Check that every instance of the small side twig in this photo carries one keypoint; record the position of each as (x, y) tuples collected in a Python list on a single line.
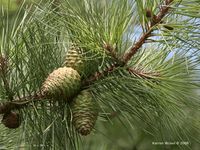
[(111, 50), (156, 19), (17, 104), (142, 74), (99, 75)]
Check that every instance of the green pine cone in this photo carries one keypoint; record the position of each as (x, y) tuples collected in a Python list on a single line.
[(80, 61), (62, 82), (84, 112), (74, 59)]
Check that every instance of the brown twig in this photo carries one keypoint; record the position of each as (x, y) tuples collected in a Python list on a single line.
[(156, 19), (99, 75), (17, 104), (111, 50), (142, 74)]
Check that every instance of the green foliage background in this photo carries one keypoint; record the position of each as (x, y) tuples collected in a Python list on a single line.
[(162, 107)]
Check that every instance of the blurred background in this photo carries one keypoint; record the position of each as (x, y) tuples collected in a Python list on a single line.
[(117, 140)]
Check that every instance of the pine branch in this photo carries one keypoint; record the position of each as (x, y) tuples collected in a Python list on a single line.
[(99, 75), (156, 19), (18, 104), (127, 56), (24, 101)]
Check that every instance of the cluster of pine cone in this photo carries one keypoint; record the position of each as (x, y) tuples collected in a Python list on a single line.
[(65, 83)]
